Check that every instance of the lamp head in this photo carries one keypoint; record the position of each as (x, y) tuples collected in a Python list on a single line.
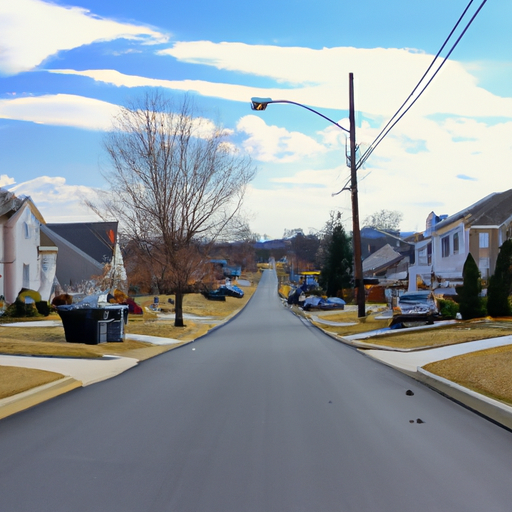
[(260, 103)]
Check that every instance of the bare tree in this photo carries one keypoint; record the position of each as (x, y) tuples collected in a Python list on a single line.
[(176, 184), (384, 219)]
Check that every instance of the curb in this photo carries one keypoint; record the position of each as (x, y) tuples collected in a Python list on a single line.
[(31, 397), (491, 409), (496, 411), (21, 401)]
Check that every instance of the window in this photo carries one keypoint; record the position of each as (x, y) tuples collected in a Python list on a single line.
[(425, 255), (483, 240), (456, 243), (483, 266), (26, 229), (445, 246), (26, 276), (483, 263)]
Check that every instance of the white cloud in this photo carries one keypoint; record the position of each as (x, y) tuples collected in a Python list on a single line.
[(272, 144), (227, 91), (293, 205), (383, 76), (419, 167), (6, 180), (57, 201), (61, 110), (33, 30)]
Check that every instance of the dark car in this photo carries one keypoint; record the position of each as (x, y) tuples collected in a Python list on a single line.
[(232, 291)]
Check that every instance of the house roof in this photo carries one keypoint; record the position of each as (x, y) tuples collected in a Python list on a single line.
[(381, 259), (7, 201), (371, 232), (96, 239), (10, 204), (492, 210)]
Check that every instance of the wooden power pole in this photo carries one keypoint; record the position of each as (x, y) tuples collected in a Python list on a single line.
[(356, 233)]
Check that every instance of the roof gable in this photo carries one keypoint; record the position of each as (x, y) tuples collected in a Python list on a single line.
[(96, 239), (383, 258)]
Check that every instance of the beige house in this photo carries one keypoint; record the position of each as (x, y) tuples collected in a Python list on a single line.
[(443, 247)]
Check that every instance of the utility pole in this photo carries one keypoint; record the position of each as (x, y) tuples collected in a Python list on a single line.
[(356, 233)]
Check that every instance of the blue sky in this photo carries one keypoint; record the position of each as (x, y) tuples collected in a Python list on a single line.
[(66, 67)]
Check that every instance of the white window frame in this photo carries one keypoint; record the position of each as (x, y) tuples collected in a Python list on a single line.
[(456, 242), (483, 240), (445, 246)]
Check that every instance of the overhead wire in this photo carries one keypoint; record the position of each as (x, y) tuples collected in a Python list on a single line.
[(394, 120)]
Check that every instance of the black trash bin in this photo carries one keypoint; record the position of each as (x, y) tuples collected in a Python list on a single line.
[(93, 325)]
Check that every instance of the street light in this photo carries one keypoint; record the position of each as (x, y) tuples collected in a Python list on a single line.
[(261, 104)]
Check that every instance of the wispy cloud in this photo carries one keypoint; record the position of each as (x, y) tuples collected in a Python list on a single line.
[(56, 200), (33, 30), (313, 76), (60, 110)]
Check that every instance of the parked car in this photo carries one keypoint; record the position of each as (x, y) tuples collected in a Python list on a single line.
[(420, 302), (415, 308), (232, 291)]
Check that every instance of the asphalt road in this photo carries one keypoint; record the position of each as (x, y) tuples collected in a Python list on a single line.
[(265, 414)]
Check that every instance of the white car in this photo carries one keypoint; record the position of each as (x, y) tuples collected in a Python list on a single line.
[(417, 303)]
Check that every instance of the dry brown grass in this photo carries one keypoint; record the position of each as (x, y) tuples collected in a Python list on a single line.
[(487, 371), (447, 335), (15, 380), (436, 336)]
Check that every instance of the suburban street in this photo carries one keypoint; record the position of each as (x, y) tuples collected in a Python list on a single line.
[(265, 414)]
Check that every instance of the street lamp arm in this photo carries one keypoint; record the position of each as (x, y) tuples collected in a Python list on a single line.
[(261, 104)]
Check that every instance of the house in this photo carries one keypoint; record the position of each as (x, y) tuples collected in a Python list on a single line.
[(386, 264), (84, 250), (441, 250), (373, 239), (28, 257)]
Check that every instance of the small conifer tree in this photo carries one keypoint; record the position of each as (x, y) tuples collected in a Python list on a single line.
[(500, 284), (470, 302)]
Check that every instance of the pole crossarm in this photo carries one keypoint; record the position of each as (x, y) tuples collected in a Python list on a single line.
[(261, 104)]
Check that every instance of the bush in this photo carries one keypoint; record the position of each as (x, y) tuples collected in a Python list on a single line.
[(21, 310), (448, 308), (470, 302), (43, 308), (500, 284)]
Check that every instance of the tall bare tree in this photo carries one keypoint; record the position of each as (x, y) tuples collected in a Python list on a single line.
[(176, 184), (384, 219)]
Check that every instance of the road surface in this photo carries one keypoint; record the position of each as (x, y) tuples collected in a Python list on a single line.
[(265, 414)]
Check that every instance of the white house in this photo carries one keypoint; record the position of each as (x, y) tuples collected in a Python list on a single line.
[(441, 250), (27, 259)]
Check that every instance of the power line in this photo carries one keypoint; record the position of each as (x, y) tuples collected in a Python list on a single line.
[(394, 120)]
